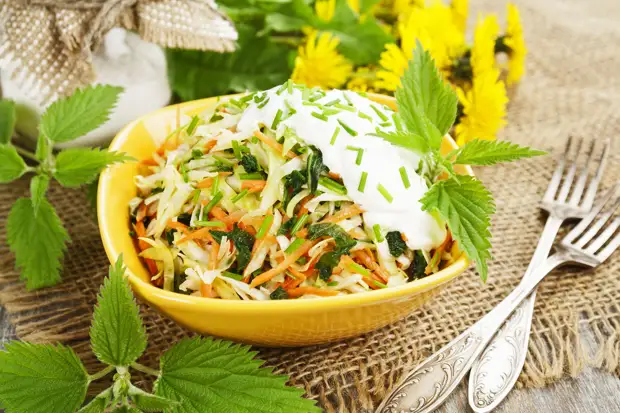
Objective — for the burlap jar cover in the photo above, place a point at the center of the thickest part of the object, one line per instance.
(572, 88)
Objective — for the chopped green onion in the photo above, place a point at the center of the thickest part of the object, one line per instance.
(385, 193)
(281, 89)
(209, 224)
(254, 140)
(184, 173)
(329, 112)
(305, 93)
(192, 125)
(319, 116)
(290, 275)
(363, 94)
(232, 275)
(332, 102)
(246, 98)
(344, 107)
(239, 195)
(291, 110)
(347, 99)
(364, 116)
(397, 121)
(334, 136)
(360, 153)
(264, 227)
(404, 177)
(197, 153)
(385, 124)
(263, 103)
(377, 230)
(362, 183)
(276, 120)
(294, 246)
(356, 268)
(379, 113)
(236, 150)
(316, 97)
(347, 128)
(299, 224)
(216, 117)
(213, 202)
(379, 284)
(333, 185)
(196, 196)
(254, 176)
(289, 87)
(223, 160)
(332, 283)
(308, 103)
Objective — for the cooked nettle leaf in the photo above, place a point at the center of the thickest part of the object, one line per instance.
(7, 120)
(279, 294)
(418, 267)
(315, 167)
(249, 163)
(396, 243)
(330, 260)
(221, 376)
(243, 242)
(79, 166)
(12, 166)
(483, 152)
(293, 184)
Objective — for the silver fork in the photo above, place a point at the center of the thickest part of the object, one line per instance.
(590, 243)
(495, 373)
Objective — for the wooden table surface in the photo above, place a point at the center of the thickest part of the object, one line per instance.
(594, 391)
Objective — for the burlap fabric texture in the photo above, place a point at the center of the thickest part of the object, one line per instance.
(572, 88)
(48, 44)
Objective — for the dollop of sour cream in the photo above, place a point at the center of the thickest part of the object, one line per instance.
(385, 198)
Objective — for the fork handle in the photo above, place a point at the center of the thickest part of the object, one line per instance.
(428, 385)
(496, 371)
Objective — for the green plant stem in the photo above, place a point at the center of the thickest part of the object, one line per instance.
(101, 373)
(145, 369)
(26, 153)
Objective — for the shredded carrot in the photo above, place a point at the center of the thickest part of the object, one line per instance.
(368, 259)
(220, 214)
(206, 290)
(437, 255)
(273, 144)
(178, 226)
(141, 212)
(198, 234)
(333, 175)
(302, 205)
(141, 233)
(403, 236)
(370, 283)
(302, 233)
(299, 278)
(299, 291)
(253, 186)
(205, 183)
(209, 145)
(343, 214)
(215, 249)
(268, 275)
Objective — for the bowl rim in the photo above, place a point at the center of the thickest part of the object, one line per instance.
(151, 293)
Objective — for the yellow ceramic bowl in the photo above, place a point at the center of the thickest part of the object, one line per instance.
(272, 323)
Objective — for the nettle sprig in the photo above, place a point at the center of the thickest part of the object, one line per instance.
(195, 375)
(428, 106)
(35, 234)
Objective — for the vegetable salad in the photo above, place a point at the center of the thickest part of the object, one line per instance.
(283, 194)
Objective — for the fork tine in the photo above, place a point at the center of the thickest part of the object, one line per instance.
(568, 179)
(587, 220)
(588, 199)
(596, 227)
(557, 174)
(583, 177)
(609, 249)
(605, 236)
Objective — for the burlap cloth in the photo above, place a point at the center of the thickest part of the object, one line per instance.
(572, 88)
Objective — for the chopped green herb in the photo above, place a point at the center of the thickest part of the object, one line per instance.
(255, 176)
(223, 160)
(279, 294)
(264, 227)
(334, 136)
(184, 173)
(294, 246)
(236, 150)
(213, 202)
(346, 127)
(356, 268)
(364, 116)
(385, 124)
(332, 102)
(362, 184)
(289, 87)
(240, 195)
(276, 120)
(249, 163)
(396, 243)
(333, 185)
(196, 196)
(263, 103)
(197, 153)
(215, 188)
(243, 242)
(209, 224)
(379, 113)
(332, 283)
(377, 230)
(398, 123)
(216, 117)
(404, 177)
(348, 99)
(344, 107)
(281, 89)
(232, 275)
(319, 116)
(192, 125)
(379, 284)
(388, 197)
(330, 112)
(299, 224)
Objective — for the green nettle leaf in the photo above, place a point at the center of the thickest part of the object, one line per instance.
(38, 242)
(424, 97)
(126, 409)
(12, 166)
(117, 335)
(44, 148)
(467, 206)
(78, 166)
(405, 139)
(257, 64)
(206, 375)
(149, 402)
(38, 188)
(99, 403)
(37, 378)
(7, 120)
(74, 116)
(482, 152)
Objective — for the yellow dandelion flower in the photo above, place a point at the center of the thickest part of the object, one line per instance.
(483, 49)
(402, 8)
(361, 81)
(484, 108)
(459, 13)
(319, 63)
(516, 44)
(355, 5)
(325, 9)
(436, 30)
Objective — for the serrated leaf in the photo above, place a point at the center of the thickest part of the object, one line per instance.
(38, 242)
(207, 375)
(12, 166)
(38, 378)
(7, 120)
(78, 166)
(447, 167)
(117, 335)
(405, 139)
(257, 64)
(149, 402)
(126, 409)
(467, 206)
(424, 97)
(38, 188)
(44, 148)
(99, 403)
(482, 152)
(74, 116)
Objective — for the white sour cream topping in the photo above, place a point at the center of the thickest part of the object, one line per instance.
(381, 160)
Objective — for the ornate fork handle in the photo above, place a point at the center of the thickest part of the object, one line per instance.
(430, 383)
